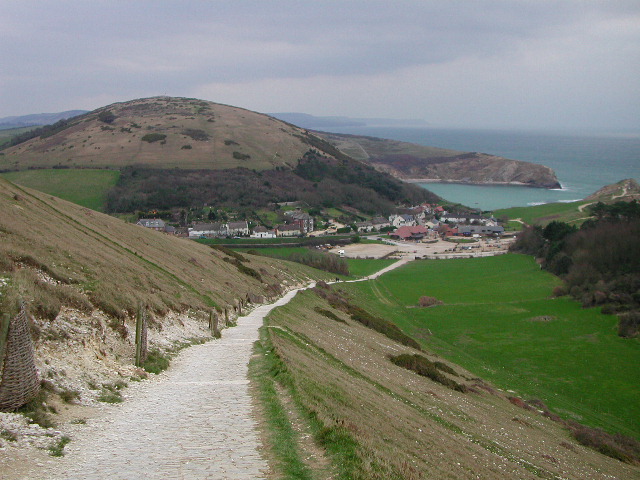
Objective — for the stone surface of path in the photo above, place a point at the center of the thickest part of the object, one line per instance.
(192, 422)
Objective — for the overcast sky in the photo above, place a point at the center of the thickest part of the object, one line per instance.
(488, 64)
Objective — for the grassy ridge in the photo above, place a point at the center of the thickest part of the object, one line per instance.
(499, 321)
(543, 214)
(84, 187)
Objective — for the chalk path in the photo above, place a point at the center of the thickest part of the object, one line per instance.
(193, 421)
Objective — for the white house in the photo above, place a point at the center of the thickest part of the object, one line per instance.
(208, 230)
(263, 232)
(402, 221)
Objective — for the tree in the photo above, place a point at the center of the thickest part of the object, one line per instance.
(106, 116)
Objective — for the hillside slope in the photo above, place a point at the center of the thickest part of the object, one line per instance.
(375, 420)
(411, 161)
(83, 276)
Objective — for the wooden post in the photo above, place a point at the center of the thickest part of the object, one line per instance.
(138, 337)
(4, 331)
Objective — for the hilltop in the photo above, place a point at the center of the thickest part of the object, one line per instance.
(189, 152)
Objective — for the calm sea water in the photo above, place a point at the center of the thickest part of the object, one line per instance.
(583, 163)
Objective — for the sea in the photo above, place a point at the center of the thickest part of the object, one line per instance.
(583, 162)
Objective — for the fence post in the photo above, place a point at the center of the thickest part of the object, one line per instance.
(139, 337)
(4, 331)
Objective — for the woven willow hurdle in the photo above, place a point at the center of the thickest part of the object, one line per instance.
(19, 380)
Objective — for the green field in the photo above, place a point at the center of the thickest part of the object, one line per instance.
(499, 321)
(358, 267)
(7, 134)
(279, 252)
(543, 214)
(86, 187)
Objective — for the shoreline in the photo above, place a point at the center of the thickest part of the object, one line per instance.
(480, 184)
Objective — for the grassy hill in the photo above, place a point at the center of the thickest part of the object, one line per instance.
(181, 153)
(336, 406)
(164, 132)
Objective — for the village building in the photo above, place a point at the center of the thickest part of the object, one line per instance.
(403, 220)
(152, 223)
(446, 230)
(263, 232)
(468, 230)
(379, 222)
(413, 233)
(237, 229)
(208, 230)
(288, 230)
(304, 220)
(364, 227)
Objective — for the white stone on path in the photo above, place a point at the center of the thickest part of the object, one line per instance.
(192, 422)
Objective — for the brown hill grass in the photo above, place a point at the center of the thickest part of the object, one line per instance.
(99, 261)
(198, 135)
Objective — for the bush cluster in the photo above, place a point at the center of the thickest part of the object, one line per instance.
(425, 367)
(599, 263)
(153, 137)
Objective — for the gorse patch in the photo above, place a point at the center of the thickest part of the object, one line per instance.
(425, 367)
(339, 301)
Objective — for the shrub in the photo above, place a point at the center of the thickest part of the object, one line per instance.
(57, 449)
(106, 116)
(426, 368)
(559, 291)
(629, 324)
(69, 396)
(428, 301)
(153, 137)
(186, 147)
(156, 362)
(111, 392)
(625, 449)
(241, 156)
(196, 134)
(329, 314)
(36, 411)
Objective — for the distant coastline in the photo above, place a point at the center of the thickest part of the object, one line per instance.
(459, 182)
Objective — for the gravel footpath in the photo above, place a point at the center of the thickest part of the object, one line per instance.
(193, 421)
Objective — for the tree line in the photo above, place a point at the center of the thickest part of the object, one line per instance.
(319, 181)
(598, 262)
